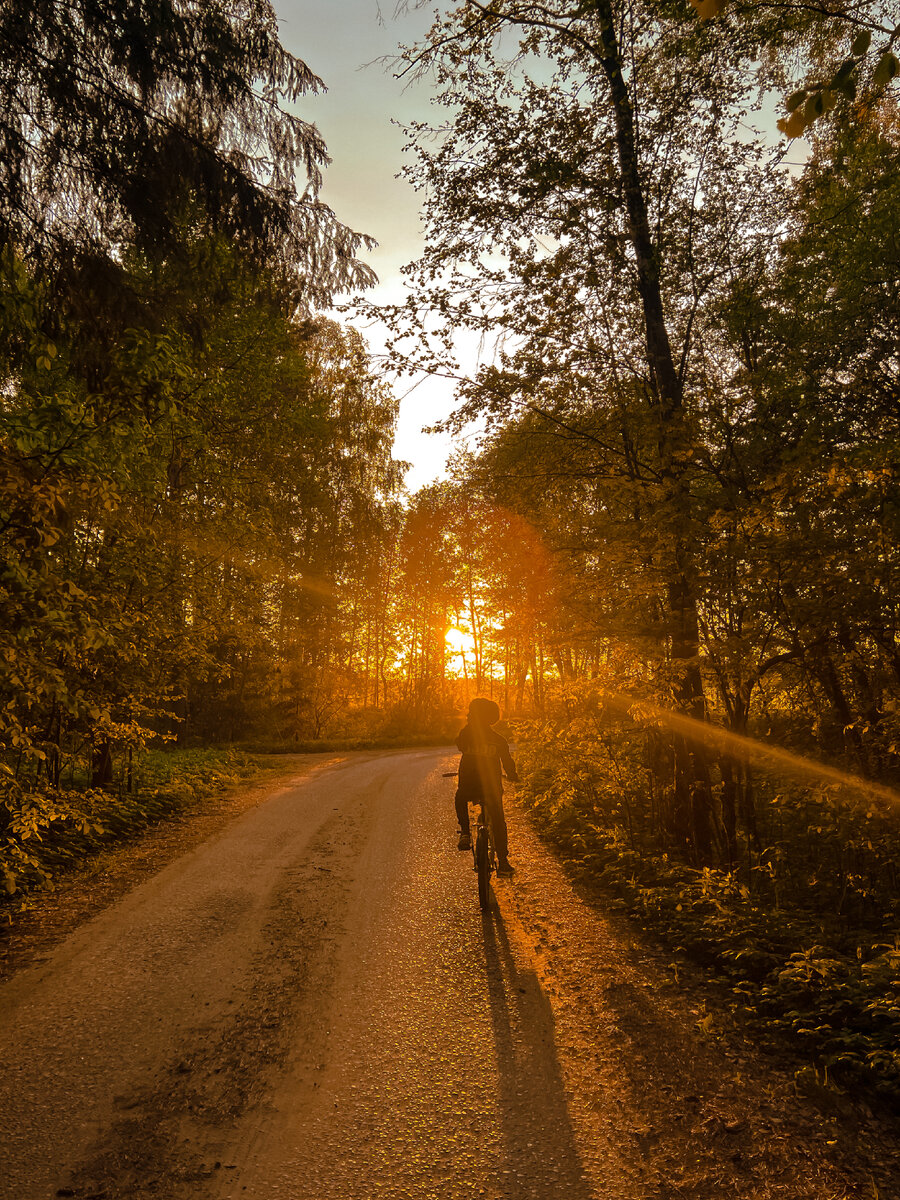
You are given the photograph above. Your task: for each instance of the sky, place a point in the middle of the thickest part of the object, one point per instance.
(343, 41)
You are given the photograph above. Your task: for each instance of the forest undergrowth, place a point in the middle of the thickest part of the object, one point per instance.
(802, 930)
(54, 833)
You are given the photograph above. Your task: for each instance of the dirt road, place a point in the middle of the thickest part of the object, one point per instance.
(311, 1005)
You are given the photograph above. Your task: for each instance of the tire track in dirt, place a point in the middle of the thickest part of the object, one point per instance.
(125, 1054)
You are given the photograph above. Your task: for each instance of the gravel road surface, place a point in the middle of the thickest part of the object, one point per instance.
(310, 1005)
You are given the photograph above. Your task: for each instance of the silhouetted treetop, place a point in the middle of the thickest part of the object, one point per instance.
(126, 122)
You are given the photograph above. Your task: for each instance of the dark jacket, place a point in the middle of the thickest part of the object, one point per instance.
(484, 753)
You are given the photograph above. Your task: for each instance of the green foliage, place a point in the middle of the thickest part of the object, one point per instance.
(781, 298)
(725, 542)
(48, 833)
(185, 451)
(805, 930)
(191, 522)
(115, 120)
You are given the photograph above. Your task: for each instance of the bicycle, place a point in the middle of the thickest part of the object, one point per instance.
(484, 854)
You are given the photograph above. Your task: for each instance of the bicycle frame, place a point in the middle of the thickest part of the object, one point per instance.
(484, 854)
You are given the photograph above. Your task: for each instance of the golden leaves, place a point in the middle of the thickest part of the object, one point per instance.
(806, 105)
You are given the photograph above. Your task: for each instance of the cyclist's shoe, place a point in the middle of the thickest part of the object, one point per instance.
(505, 867)
(465, 842)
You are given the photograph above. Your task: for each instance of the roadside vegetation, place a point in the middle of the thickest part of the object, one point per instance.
(53, 833)
(801, 932)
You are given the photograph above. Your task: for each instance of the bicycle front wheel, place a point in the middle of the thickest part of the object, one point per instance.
(483, 867)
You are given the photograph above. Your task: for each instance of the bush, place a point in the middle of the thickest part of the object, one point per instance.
(804, 931)
(47, 833)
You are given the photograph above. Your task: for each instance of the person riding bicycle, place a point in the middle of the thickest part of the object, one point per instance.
(484, 753)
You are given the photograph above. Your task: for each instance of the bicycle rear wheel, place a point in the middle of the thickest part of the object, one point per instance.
(483, 867)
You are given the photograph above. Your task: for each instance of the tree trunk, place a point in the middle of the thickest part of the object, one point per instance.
(729, 807)
(692, 773)
(101, 763)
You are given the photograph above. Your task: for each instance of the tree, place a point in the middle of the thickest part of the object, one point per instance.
(118, 121)
(145, 150)
(592, 215)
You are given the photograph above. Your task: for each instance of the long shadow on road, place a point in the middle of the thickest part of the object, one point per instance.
(542, 1155)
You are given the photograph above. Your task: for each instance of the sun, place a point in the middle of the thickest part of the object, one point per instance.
(459, 642)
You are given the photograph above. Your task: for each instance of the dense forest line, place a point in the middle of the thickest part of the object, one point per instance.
(674, 552)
